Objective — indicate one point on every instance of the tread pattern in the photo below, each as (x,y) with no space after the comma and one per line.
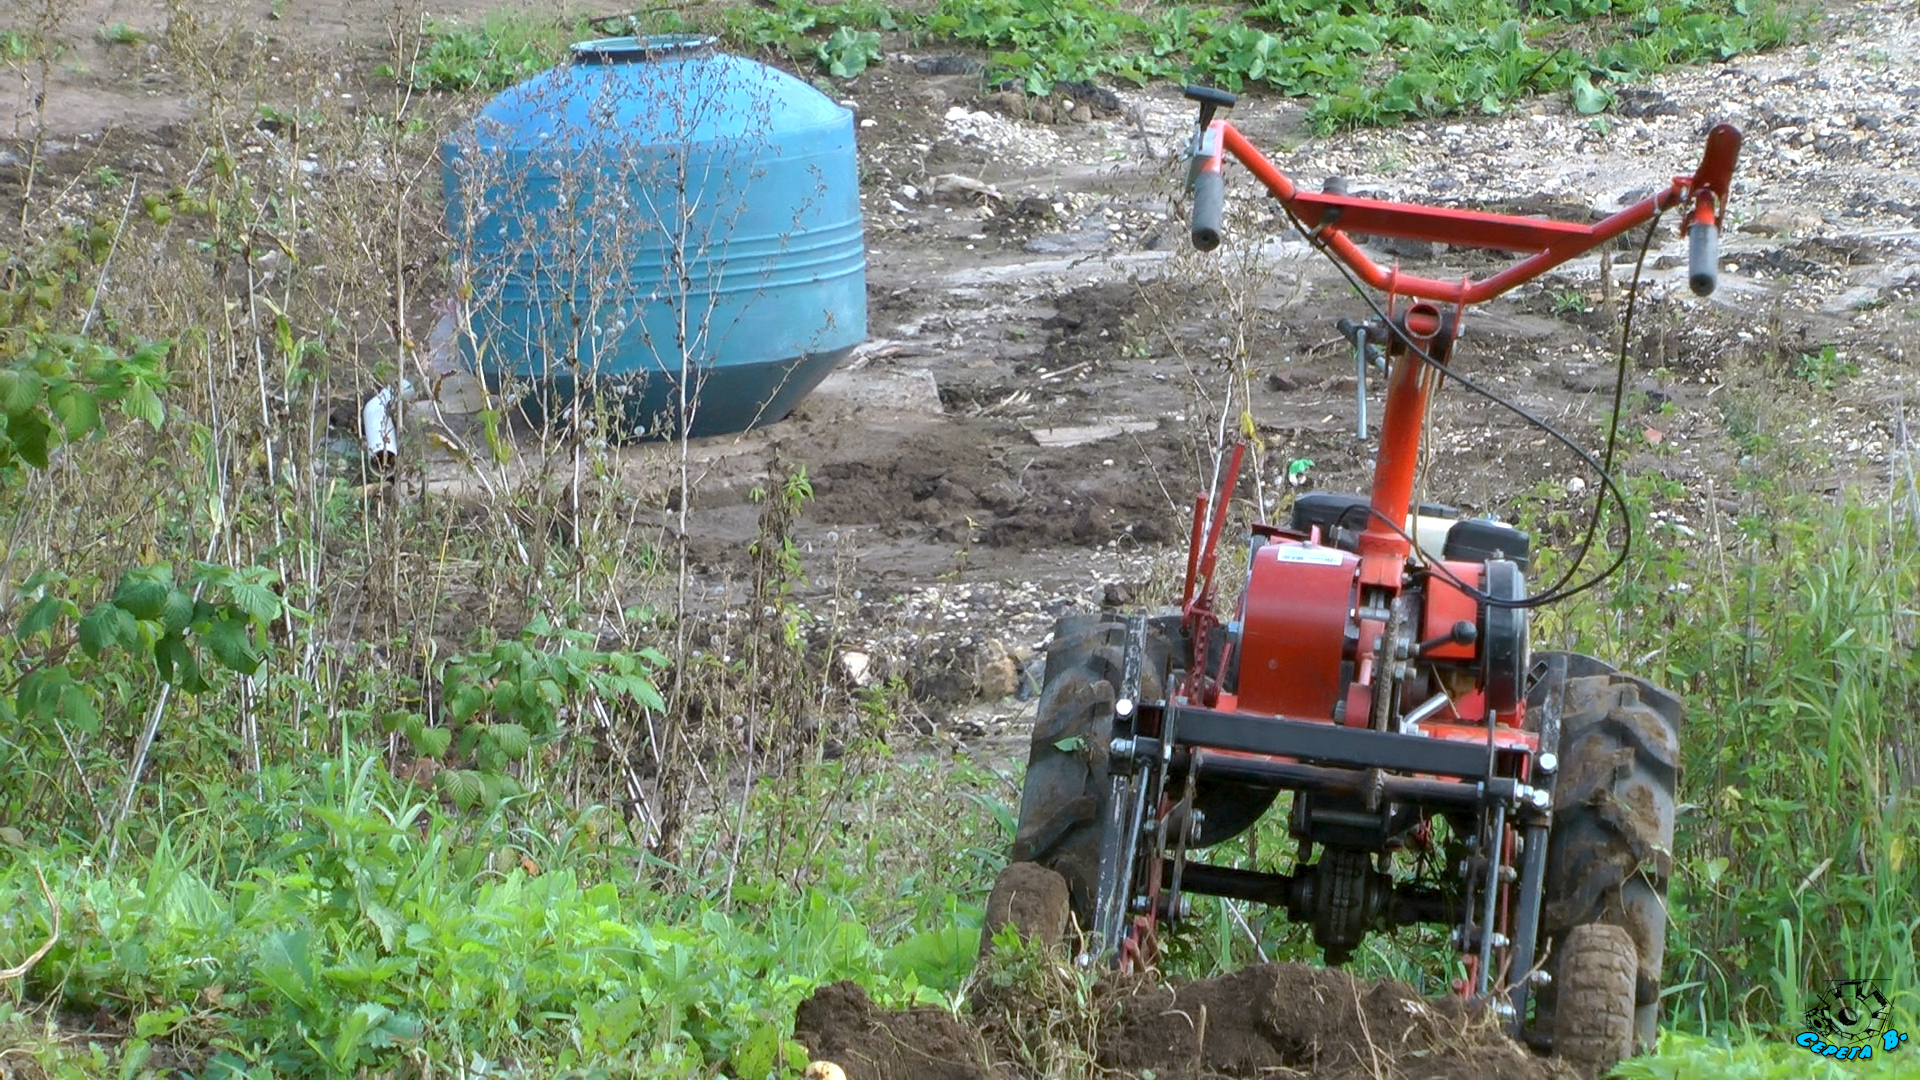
(1594,1025)
(1610,853)
(1063,800)
(1063,803)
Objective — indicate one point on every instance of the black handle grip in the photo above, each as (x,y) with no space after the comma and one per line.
(1208,95)
(1209,208)
(1703,258)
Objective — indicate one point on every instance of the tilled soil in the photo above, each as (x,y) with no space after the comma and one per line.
(1272,1020)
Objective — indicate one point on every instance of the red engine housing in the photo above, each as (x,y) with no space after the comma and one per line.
(1301,632)
(1295,617)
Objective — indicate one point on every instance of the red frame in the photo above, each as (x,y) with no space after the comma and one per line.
(1550,242)
(1335,219)
(1383,551)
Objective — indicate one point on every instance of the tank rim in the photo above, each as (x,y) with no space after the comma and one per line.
(631,49)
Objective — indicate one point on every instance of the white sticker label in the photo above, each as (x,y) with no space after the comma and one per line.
(1303,553)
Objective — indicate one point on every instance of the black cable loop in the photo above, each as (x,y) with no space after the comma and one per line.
(1560,590)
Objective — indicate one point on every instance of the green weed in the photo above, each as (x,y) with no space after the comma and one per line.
(1823,369)
(120,34)
(342,924)
(1362,64)
(1569,302)
(501,51)
(18,45)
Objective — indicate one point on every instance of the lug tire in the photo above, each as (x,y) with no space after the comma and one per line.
(1063,804)
(1594,1027)
(1610,851)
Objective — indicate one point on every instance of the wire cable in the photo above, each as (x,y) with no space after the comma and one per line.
(1604,469)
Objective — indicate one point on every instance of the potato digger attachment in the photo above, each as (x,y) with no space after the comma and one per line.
(1375,668)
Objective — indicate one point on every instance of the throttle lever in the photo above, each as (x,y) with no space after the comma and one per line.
(1460,633)
(1365,353)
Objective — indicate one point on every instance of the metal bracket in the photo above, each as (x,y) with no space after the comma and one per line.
(1126,801)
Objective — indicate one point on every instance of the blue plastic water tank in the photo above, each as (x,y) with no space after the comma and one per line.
(672,225)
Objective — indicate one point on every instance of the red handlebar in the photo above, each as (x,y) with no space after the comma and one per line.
(1549,243)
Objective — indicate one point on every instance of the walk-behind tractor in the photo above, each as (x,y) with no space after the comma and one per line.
(1375,668)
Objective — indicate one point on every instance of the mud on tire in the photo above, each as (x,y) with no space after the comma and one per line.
(1063,806)
(1594,1027)
(1610,852)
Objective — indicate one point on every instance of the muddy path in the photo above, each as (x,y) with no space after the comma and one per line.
(1051,369)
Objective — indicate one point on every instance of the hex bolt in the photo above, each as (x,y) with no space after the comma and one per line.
(1121,747)
(1123,708)
(1541,978)
(1548,762)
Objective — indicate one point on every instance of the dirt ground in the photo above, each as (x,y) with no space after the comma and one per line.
(1287,1020)
(1050,372)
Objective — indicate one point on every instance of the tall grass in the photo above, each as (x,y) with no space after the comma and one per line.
(1792,641)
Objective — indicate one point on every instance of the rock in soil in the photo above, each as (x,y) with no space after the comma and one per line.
(1031,898)
(1268,1020)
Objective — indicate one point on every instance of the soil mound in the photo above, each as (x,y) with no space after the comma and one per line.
(839,1024)
(1272,1020)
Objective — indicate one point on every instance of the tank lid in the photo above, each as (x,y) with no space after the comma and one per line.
(628,50)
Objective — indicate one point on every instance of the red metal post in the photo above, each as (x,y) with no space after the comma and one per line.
(1383,551)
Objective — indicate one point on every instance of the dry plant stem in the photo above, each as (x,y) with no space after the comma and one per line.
(1200,1041)
(145,746)
(99,287)
(53,936)
(1240,919)
(46,24)
(1906,461)
(80,770)
(1366,1030)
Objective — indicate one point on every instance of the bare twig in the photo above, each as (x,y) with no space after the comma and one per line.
(1366,1029)
(100,287)
(53,935)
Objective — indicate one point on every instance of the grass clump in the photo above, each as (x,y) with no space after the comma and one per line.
(1789,634)
(500,51)
(323,923)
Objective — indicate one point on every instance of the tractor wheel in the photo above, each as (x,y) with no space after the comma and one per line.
(1063,806)
(1611,847)
(1593,1028)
